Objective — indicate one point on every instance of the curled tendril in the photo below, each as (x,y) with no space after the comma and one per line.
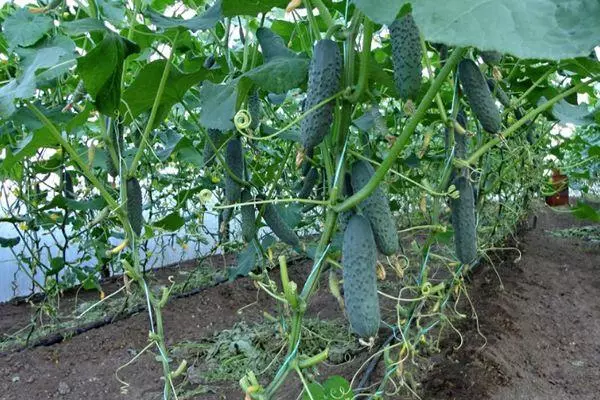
(242,120)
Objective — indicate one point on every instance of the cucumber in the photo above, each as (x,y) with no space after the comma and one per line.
(498,92)
(279,227)
(407,56)
(115,129)
(344,216)
(68,191)
(491,57)
(377,209)
(323,82)
(254,109)
(479,96)
(234,158)
(248,217)
(309,183)
(134,205)
(464,222)
(359,259)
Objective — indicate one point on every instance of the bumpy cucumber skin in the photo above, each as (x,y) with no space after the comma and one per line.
(279,227)
(248,217)
(463,221)
(323,82)
(407,55)
(68,191)
(309,183)
(134,205)
(479,96)
(344,216)
(491,57)
(499,92)
(254,109)
(116,137)
(217,137)
(377,209)
(235,161)
(359,259)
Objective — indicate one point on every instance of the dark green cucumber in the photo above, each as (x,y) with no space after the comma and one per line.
(279,227)
(491,57)
(68,191)
(115,129)
(498,92)
(479,96)
(323,82)
(248,217)
(359,259)
(309,183)
(464,222)
(134,205)
(407,56)
(234,158)
(377,209)
(254,109)
(344,216)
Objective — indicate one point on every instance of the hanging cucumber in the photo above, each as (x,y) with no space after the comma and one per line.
(479,96)
(407,56)
(234,158)
(359,259)
(134,205)
(464,222)
(323,82)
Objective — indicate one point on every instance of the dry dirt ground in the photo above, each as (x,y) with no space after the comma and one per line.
(541,329)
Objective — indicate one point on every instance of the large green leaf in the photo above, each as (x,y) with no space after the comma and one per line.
(218,103)
(9,242)
(23,87)
(572,114)
(250,7)
(24,28)
(101,70)
(60,45)
(200,22)
(283,69)
(140,95)
(27,148)
(181,146)
(548,29)
(171,222)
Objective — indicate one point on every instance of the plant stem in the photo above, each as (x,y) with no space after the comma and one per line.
(409,129)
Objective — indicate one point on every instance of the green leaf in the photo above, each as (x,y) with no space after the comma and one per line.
(246,261)
(380,11)
(140,95)
(9,242)
(547,29)
(59,45)
(24,28)
(101,71)
(250,7)
(171,222)
(112,10)
(573,114)
(585,211)
(336,387)
(83,26)
(177,144)
(316,392)
(23,87)
(279,75)
(200,22)
(218,103)
(283,69)
(27,147)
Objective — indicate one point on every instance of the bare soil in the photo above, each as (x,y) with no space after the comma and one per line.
(541,329)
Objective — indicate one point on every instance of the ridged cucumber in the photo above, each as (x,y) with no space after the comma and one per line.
(498,92)
(248,217)
(134,205)
(407,56)
(479,96)
(463,221)
(68,191)
(234,158)
(359,259)
(254,109)
(323,82)
(377,209)
(309,183)
(491,57)
(279,227)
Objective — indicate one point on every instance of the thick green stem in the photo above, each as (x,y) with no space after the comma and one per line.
(529,116)
(365,57)
(150,123)
(409,129)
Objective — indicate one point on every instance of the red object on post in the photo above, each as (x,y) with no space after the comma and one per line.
(560,183)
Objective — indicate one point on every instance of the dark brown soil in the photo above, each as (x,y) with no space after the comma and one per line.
(542,331)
